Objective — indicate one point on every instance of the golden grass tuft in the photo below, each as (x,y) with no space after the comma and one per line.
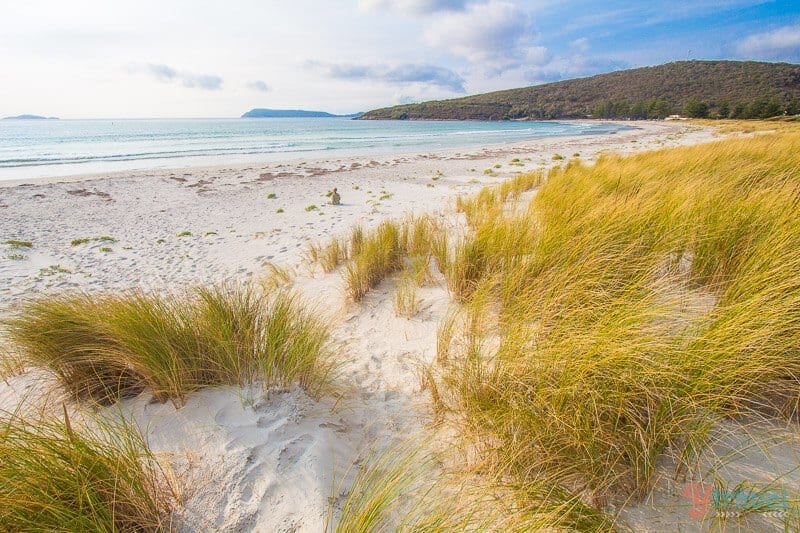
(276,277)
(380,253)
(56,477)
(109,346)
(406,301)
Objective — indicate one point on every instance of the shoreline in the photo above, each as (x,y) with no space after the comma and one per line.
(234,224)
(275,158)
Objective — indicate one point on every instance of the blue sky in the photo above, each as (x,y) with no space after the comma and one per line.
(205,58)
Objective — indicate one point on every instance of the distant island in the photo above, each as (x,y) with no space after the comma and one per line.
(697,89)
(292,113)
(30,117)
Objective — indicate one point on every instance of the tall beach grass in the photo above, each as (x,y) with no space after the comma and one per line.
(104,347)
(57,477)
(634,304)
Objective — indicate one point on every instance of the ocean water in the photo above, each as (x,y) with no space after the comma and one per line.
(50,148)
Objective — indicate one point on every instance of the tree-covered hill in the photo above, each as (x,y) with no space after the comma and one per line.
(725,89)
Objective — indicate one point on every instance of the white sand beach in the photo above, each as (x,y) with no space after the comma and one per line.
(280,462)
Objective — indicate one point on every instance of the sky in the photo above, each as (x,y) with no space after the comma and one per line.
(209,58)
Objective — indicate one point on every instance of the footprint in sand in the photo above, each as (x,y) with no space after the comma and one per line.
(293,451)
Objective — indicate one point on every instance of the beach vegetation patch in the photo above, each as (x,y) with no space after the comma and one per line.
(13,243)
(84,240)
(185,234)
(311,207)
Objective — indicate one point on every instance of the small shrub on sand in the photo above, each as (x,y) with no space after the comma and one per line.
(271,196)
(108,346)
(279,210)
(311,207)
(13,243)
(557,157)
(185,234)
(54,477)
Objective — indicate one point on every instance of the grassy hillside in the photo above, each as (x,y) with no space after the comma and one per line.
(726,89)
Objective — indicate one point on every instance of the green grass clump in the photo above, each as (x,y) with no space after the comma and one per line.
(633,305)
(18,244)
(311,207)
(185,234)
(271,196)
(557,157)
(56,478)
(106,249)
(16,257)
(84,240)
(279,210)
(109,346)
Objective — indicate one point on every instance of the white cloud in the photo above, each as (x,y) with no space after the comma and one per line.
(416,7)
(405,74)
(258,85)
(496,35)
(167,74)
(581,44)
(780,43)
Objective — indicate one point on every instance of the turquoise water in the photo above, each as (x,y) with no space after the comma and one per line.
(47,148)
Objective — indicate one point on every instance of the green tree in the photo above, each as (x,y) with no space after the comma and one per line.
(724,109)
(695,108)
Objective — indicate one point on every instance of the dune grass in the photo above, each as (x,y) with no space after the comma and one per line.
(379,253)
(406,300)
(406,487)
(333,254)
(630,306)
(276,277)
(56,477)
(109,346)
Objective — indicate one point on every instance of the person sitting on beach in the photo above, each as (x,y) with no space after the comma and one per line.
(335,198)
